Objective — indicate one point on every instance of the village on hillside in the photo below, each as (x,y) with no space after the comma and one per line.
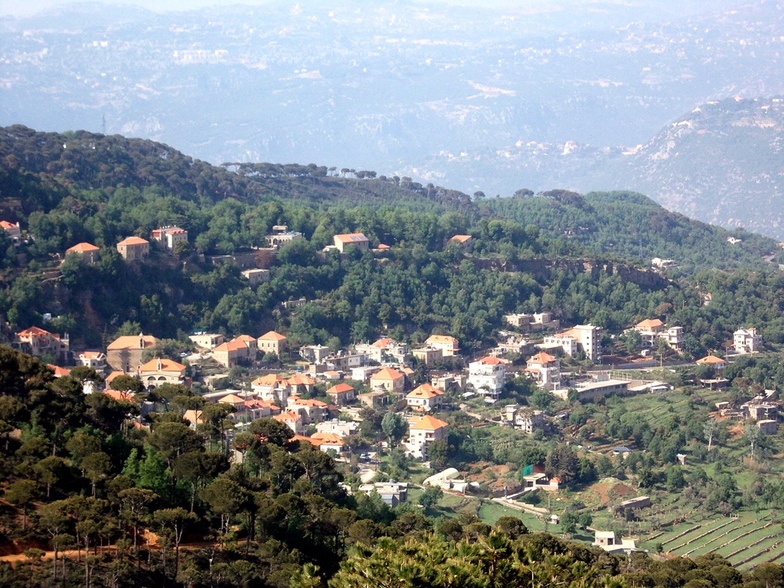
(325,394)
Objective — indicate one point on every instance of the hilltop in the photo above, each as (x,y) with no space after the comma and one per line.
(722,163)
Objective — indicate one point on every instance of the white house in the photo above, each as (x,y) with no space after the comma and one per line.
(487,376)
(746,340)
(422,431)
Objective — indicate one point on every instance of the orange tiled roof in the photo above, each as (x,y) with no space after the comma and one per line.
(387,374)
(112,376)
(233,345)
(268,380)
(425,391)
(542,358)
(272,336)
(383,342)
(441,339)
(301,380)
(193,416)
(134,241)
(710,359)
(340,389)
(351,238)
(246,338)
(58,371)
(327,439)
(231,399)
(7,225)
(133,342)
(35,332)
(312,402)
(649,324)
(120,396)
(490,360)
(82,247)
(428,423)
(460,238)
(162,365)
(304,439)
(287,416)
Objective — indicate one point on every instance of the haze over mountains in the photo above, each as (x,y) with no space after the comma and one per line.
(579,95)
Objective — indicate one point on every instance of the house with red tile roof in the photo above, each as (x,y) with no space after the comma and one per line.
(313,411)
(358,240)
(487,376)
(59,372)
(342,394)
(293,420)
(241,350)
(124,354)
(169,236)
(449,346)
(425,398)
(37,342)
(272,387)
(12,230)
(422,431)
(89,252)
(133,248)
(194,417)
(384,350)
(92,359)
(162,371)
(327,442)
(389,379)
(545,369)
(124,397)
(272,342)
(301,384)
(716,363)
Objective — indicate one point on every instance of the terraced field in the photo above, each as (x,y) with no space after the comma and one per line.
(746,540)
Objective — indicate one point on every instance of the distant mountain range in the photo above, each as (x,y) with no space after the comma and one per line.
(551,95)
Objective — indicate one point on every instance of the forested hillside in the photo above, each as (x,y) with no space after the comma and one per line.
(577,255)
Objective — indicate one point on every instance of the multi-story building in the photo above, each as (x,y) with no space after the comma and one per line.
(389,379)
(358,240)
(449,346)
(124,354)
(89,252)
(133,248)
(37,342)
(272,342)
(585,338)
(545,369)
(746,340)
(487,376)
(169,236)
(425,398)
(422,431)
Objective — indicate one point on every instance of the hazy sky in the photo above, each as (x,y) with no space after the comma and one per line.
(28,7)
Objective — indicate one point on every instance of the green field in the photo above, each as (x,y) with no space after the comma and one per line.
(746,540)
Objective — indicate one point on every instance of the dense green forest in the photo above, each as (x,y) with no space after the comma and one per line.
(528,253)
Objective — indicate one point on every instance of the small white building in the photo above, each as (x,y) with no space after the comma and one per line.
(607,541)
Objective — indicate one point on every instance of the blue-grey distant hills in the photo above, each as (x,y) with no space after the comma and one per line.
(722,163)
(545,95)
